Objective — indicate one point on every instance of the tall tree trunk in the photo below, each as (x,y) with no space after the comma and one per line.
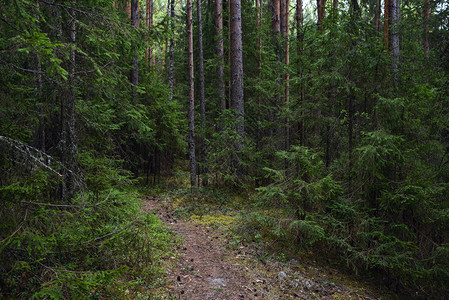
(276,6)
(220,53)
(56,34)
(171,70)
(426,26)
(237,97)
(282,9)
(351,131)
(259,41)
(386,23)
(276,102)
(40,136)
(321,6)
(71,136)
(149,24)
(259,70)
(300,37)
(202,96)
(394,34)
(287,64)
(229,104)
(135,69)
(191,97)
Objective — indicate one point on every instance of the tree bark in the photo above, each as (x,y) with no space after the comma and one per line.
(191,97)
(171,69)
(135,69)
(40,136)
(300,37)
(71,136)
(259,69)
(321,5)
(237,94)
(287,64)
(259,41)
(386,23)
(282,19)
(202,96)
(276,6)
(220,53)
(149,24)
(394,34)
(276,25)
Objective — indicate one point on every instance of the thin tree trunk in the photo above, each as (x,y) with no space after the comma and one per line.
(191,97)
(300,38)
(202,96)
(56,34)
(41,126)
(237,96)
(276,25)
(386,23)
(321,6)
(149,24)
(135,69)
(351,129)
(41,130)
(426,26)
(287,64)
(276,16)
(171,70)
(220,53)
(259,69)
(282,23)
(71,137)
(259,41)
(229,104)
(394,34)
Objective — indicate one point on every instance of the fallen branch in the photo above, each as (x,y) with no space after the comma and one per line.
(26,150)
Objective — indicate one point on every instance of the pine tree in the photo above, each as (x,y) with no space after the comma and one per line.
(220,53)
(237,97)
(192,158)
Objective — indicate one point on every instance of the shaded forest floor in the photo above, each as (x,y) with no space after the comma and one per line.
(215,262)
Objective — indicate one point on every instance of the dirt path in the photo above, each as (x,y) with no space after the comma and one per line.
(208,268)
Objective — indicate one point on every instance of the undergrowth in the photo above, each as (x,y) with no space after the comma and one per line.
(100,245)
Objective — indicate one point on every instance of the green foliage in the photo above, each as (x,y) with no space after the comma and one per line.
(97,244)
(224,159)
(82,250)
(302,186)
(355,161)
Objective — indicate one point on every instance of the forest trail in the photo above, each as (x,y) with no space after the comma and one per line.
(209,267)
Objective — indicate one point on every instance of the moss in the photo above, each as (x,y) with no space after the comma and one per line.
(218,220)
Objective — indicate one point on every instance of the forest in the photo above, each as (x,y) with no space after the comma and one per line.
(327,121)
